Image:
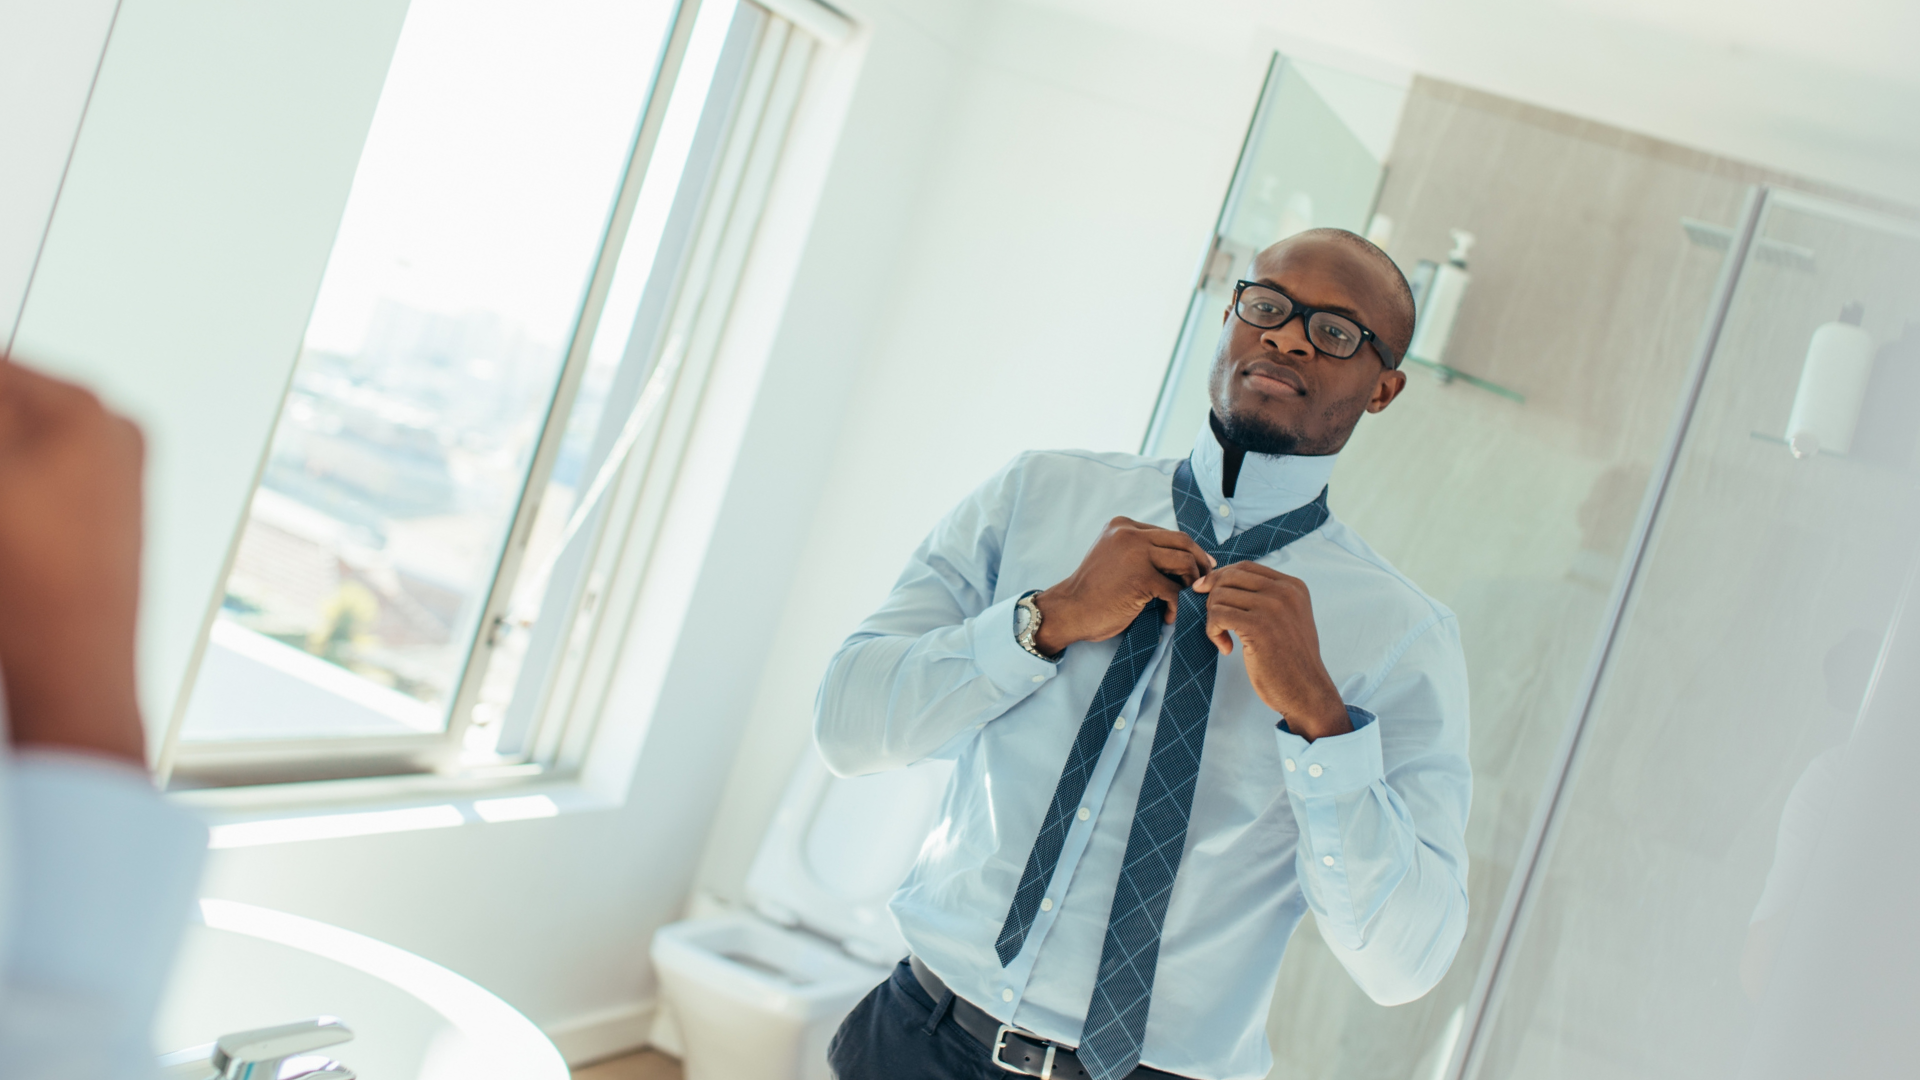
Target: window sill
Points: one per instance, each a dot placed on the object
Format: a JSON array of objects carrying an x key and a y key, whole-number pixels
[{"x": 336, "y": 809}]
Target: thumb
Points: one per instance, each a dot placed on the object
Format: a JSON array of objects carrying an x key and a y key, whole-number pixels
[{"x": 1221, "y": 637}]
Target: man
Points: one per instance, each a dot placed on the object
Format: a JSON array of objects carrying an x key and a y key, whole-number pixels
[
  {"x": 96, "y": 872},
  {"x": 1230, "y": 711}
]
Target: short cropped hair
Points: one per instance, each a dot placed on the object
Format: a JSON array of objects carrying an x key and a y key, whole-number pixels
[{"x": 1398, "y": 333}]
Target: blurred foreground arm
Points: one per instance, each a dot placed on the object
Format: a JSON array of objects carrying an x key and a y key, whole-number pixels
[{"x": 96, "y": 872}]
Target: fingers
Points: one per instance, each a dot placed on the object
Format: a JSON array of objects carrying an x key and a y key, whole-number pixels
[
  {"x": 1243, "y": 573},
  {"x": 1246, "y": 596},
  {"x": 1218, "y": 634},
  {"x": 1181, "y": 565},
  {"x": 1165, "y": 540},
  {"x": 1168, "y": 590},
  {"x": 1173, "y": 540}
]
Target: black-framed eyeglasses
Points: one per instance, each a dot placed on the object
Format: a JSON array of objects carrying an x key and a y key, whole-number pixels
[{"x": 1264, "y": 307}]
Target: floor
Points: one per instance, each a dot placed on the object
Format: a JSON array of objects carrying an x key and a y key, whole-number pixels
[{"x": 645, "y": 1065}]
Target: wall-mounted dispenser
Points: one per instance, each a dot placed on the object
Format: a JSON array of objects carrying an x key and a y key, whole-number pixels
[
  {"x": 1833, "y": 386},
  {"x": 1438, "y": 289},
  {"x": 1439, "y": 301}
]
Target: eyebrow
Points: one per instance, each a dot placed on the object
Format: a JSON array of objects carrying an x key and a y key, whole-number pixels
[{"x": 1336, "y": 309}]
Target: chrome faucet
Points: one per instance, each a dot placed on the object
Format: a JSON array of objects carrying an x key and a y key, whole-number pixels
[{"x": 276, "y": 1053}]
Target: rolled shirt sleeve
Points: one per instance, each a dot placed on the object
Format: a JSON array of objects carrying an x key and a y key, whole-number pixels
[
  {"x": 102, "y": 880},
  {"x": 1382, "y": 813}
]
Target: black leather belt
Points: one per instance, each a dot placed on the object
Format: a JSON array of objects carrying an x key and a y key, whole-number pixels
[{"x": 1012, "y": 1049}]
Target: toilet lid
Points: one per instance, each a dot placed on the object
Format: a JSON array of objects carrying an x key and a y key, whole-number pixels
[{"x": 839, "y": 847}]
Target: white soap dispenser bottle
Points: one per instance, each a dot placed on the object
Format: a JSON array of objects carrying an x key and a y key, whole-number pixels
[
  {"x": 1833, "y": 386},
  {"x": 1442, "y": 303}
]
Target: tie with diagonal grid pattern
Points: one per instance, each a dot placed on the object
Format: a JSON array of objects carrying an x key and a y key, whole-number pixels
[
  {"x": 1116, "y": 1023},
  {"x": 1137, "y": 643}
]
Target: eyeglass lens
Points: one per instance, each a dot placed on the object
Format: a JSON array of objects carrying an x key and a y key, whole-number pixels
[{"x": 1332, "y": 334}]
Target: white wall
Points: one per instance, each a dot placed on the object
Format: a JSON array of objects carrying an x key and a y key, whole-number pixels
[{"x": 48, "y": 55}]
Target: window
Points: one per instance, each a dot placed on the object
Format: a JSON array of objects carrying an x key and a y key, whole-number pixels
[{"x": 530, "y": 274}]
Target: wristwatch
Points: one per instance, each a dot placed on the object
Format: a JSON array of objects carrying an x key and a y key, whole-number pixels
[{"x": 1026, "y": 625}]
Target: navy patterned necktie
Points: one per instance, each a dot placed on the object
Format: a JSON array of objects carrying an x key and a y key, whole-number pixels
[{"x": 1116, "y": 1023}]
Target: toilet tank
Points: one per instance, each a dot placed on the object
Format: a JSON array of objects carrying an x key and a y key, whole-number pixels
[{"x": 839, "y": 847}]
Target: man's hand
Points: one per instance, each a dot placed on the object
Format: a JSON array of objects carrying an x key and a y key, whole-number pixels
[
  {"x": 69, "y": 567},
  {"x": 1129, "y": 567},
  {"x": 1273, "y": 615}
]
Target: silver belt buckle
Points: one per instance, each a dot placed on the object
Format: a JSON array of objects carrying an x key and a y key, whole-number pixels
[{"x": 1000, "y": 1044}]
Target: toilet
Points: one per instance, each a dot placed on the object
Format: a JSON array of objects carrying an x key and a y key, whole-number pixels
[{"x": 757, "y": 994}]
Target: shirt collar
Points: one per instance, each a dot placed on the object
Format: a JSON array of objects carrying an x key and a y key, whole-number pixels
[{"x": 1267, "y": 487}]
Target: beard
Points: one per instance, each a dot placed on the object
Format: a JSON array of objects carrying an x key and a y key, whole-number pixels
[{"x": 1257, "y": 435}]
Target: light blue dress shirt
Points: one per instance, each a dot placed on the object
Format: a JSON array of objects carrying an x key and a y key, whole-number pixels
[{"x": 1365, "y": 829}]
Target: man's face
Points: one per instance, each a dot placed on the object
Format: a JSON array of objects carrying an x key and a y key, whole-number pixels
[{"x": 1272, "y": 390}]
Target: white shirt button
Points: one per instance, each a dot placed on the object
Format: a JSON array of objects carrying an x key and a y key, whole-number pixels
[
  {"x": 1046, "y": 903},
  {"x": 1328, "y": 859},
  {"x": 1314, "y": 770},
  {"x": 1006, "y": 995},
  {"x": 1290, "y": 765},
  {"x": 1119, "y": 723},
  {"x": 1225, "y": 510},
  {"x": 1039, "y": 678},
  {"x": 1085, "y": 813}
]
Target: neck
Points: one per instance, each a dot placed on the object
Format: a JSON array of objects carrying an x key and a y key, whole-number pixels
[{"x": 1260, "y": 486}]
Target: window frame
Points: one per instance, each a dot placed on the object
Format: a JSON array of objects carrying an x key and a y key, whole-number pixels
[{"x": 689, "y": 291}]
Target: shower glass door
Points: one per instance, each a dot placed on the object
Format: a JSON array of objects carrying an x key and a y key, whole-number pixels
[
  {"x": 1588, "y": 296},
  {"x": 1718, "y": 732},
  {"x": 1314, "y": 156}
]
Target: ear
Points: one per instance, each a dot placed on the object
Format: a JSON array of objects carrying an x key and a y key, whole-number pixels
[{"x": 1391, "y": 382}]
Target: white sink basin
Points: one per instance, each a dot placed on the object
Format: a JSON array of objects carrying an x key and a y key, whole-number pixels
[{"x": 250, "y": 967}]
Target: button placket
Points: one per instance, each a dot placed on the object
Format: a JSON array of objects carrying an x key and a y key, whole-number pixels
[
  {"x": 1075, "y": 849},
  {"x": 1079, "y": 836}
]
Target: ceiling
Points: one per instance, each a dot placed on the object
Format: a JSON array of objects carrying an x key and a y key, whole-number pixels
[{"x": 1830, "y": 90}]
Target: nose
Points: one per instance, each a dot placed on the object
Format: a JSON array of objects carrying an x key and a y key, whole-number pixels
[{"x": 1289, "y": 337}]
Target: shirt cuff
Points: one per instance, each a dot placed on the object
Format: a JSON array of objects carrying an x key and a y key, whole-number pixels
[
  {"x": 106, "y": 871},
  {"x": 997, "y": 653},
  {"x": 1332, "y": 764}
]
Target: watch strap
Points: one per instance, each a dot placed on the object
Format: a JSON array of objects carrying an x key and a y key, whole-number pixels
[{"x": 1026, "y": 631}]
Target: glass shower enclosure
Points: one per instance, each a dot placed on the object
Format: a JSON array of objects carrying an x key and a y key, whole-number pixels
[
  {"x": 1314, "y": 156},
  {"x": 1665, "y": 612},
  {"x": 1677, "y": 846}
]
